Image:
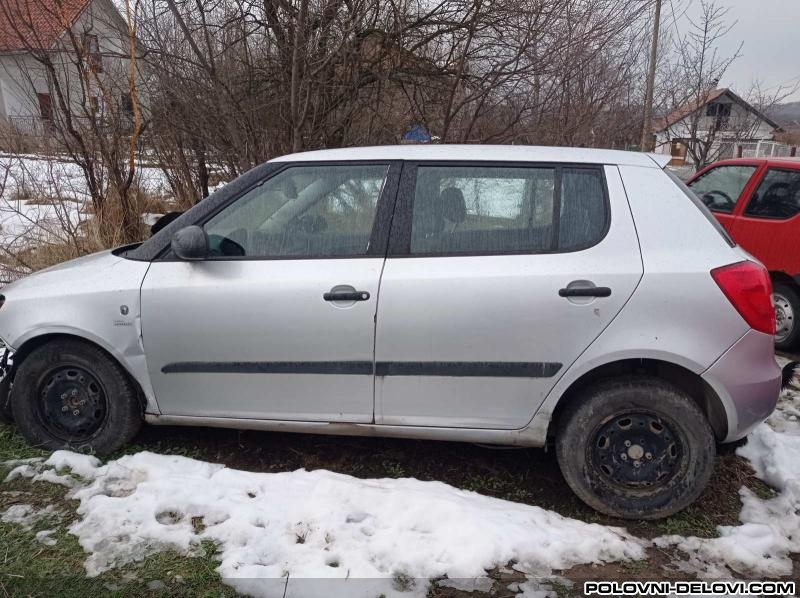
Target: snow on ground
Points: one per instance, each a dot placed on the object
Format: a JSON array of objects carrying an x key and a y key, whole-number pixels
[
  {"x": 45, "y": 199},
  {"x": 316, "y": 527},
  {"x": 770, "y": 531},
  {"x": 27, "y": 515}
]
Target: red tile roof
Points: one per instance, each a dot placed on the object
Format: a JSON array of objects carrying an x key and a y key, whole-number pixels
[
  {"x": 660, "y": 124},
  {"x": 682, "y": 112},
  {"x": 36, "y": 24}
]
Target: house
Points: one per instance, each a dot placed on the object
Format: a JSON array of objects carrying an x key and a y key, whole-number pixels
[
  {"x": 709, "y": 127},
  {"x": 62, "y": 32}
]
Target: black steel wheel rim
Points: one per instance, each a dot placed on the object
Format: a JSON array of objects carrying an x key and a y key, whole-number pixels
[
  {"x": 636, "y": 450},
  {"x": 73, "y": 404}
]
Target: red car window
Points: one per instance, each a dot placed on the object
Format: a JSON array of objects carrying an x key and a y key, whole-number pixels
[
  {"x": 777, "y": 196},
  {"x": 720, "y": 187}
]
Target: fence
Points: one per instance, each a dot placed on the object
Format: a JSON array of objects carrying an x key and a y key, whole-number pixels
[{"x": 763, "y": 149}]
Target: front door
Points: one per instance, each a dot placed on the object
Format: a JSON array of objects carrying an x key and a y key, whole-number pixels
[
  {"x": 769, "y": 225},
  {"x": 278, "y": 322},
  {"x": 498, "y": 277}
]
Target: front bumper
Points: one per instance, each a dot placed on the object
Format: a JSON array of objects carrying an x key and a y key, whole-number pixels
[{"x": 747, "y": 379}]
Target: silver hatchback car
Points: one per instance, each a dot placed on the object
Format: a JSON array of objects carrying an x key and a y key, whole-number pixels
[{"x": 510, "y": 295}]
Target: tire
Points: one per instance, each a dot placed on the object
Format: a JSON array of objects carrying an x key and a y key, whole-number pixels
[
  {"x": 787, "y": 313},
  {"x": 69, "y": 394},
  {"x": 651, "y": 423}
]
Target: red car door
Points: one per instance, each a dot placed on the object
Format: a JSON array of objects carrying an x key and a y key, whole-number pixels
[
  {"x": 768, "y": 225},
  {"x": 721, "y": 188}
]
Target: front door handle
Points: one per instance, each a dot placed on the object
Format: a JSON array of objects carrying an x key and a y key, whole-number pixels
[
  {"x": 346, "y": 296},
  {"x": 584, "y": 292}
]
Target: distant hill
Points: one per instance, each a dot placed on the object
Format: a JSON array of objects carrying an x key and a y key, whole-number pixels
[{"x": 787, "y": 115}]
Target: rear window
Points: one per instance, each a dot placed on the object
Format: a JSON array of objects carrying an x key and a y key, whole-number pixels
[
  {"x": 499, "y": 209},
  {"x": 701, "y": 206}
]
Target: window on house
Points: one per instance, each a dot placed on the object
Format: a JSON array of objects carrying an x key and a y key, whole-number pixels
[
  {"x": 45, "y": 106},
  {"x": 126, "y": 104},
  {"x": 721, "y": 112},
  {"x": 91, "y": 50},
  {"x": 94, "y": 103}
]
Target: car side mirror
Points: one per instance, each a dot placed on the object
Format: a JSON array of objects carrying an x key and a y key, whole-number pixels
[{"x": 190, "y": 243}]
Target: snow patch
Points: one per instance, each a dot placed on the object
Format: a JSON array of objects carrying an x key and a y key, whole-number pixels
[
  {"x": 26, "y": 515},
  {"x": 770, "y": 530},
  {"x": 367, "y": 537},
  {"x": 45, "y": 537},
  {"x": 84, "y": 466}
]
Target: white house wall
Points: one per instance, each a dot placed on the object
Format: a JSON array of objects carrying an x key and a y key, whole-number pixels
[
  {"x": 741, "y": 119},
  {"x": 22, "y": 77}
]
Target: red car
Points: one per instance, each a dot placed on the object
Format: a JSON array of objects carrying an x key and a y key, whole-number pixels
[{"x": 758, "y": 201}]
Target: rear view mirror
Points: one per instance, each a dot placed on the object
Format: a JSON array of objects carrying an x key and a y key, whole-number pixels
[{"x": 190, "y": 243}]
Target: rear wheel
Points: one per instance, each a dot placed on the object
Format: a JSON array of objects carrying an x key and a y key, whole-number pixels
[
  {"x": 635, "y": 448},
  {"x": 787, "y": 310},
  {"x": 70, "y": 394}
]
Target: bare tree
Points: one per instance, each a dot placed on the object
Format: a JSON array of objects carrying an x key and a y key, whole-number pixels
[
  {"x": 710, "y": 121},
  {"x": 96, "y": 114}
]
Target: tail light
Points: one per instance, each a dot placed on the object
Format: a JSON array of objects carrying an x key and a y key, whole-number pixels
[{"x": 749, "y": 289}]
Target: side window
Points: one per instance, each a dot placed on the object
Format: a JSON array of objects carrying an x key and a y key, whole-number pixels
[
  {"x": 777, "y": 196},
  {"x": 303, "y": 211},
  {"x": 488, "y": 209},
  {"x": 720, "y": 187},
  {"x": 584, "y": 214}
]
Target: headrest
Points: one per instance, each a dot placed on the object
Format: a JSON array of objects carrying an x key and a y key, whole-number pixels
[{"x": 454, "y": 208}]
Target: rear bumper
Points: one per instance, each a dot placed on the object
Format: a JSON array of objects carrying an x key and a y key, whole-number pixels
[{"x": 747, "y": 379}]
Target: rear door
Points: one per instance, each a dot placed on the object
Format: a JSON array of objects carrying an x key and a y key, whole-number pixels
[
  {"x": 498, "y": 277},
  {"x": 769, "y": 225}
]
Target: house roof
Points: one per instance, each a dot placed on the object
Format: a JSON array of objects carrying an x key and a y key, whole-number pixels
[
  {"x": 36, "y": 24},
  {"x": 677, "y": 115}
]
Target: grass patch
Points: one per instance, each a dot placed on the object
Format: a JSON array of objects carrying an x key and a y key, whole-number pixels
[
  {"x": 687, "y": 523},
  {"x": 29, "y": 568},
  {"x": 13, "y": 445}
]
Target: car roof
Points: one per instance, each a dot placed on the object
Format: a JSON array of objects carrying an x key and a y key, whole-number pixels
[
  {"x": 482, "y": 153},
  {"x": 783, "y": 162}
]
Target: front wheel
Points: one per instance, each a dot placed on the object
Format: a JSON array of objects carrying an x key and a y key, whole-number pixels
[
  {"x": 635, "y": 448},
  {"x": 68, "y": 394},
  {"x": 787, "y": 310}
]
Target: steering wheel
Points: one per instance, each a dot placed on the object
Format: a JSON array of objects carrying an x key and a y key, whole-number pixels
[{"x": 711, "y": 202}]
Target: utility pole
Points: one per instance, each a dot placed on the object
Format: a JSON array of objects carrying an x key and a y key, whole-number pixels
[{"x": 647, "y": 133}]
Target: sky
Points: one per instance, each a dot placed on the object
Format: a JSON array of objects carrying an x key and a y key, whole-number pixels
[{"x": 770, "y": 30}]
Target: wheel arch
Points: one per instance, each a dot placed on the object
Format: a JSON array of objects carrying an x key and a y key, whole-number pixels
[
  {"x": 783, "y": 277},
  {"x": 32, "y": 342},
  {"x": 679, "y": 376}
]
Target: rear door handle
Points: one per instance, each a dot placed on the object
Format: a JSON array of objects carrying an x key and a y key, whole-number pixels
[
  {"x": 584, "y": 292},
  {"x": 346, "y": 296}
]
